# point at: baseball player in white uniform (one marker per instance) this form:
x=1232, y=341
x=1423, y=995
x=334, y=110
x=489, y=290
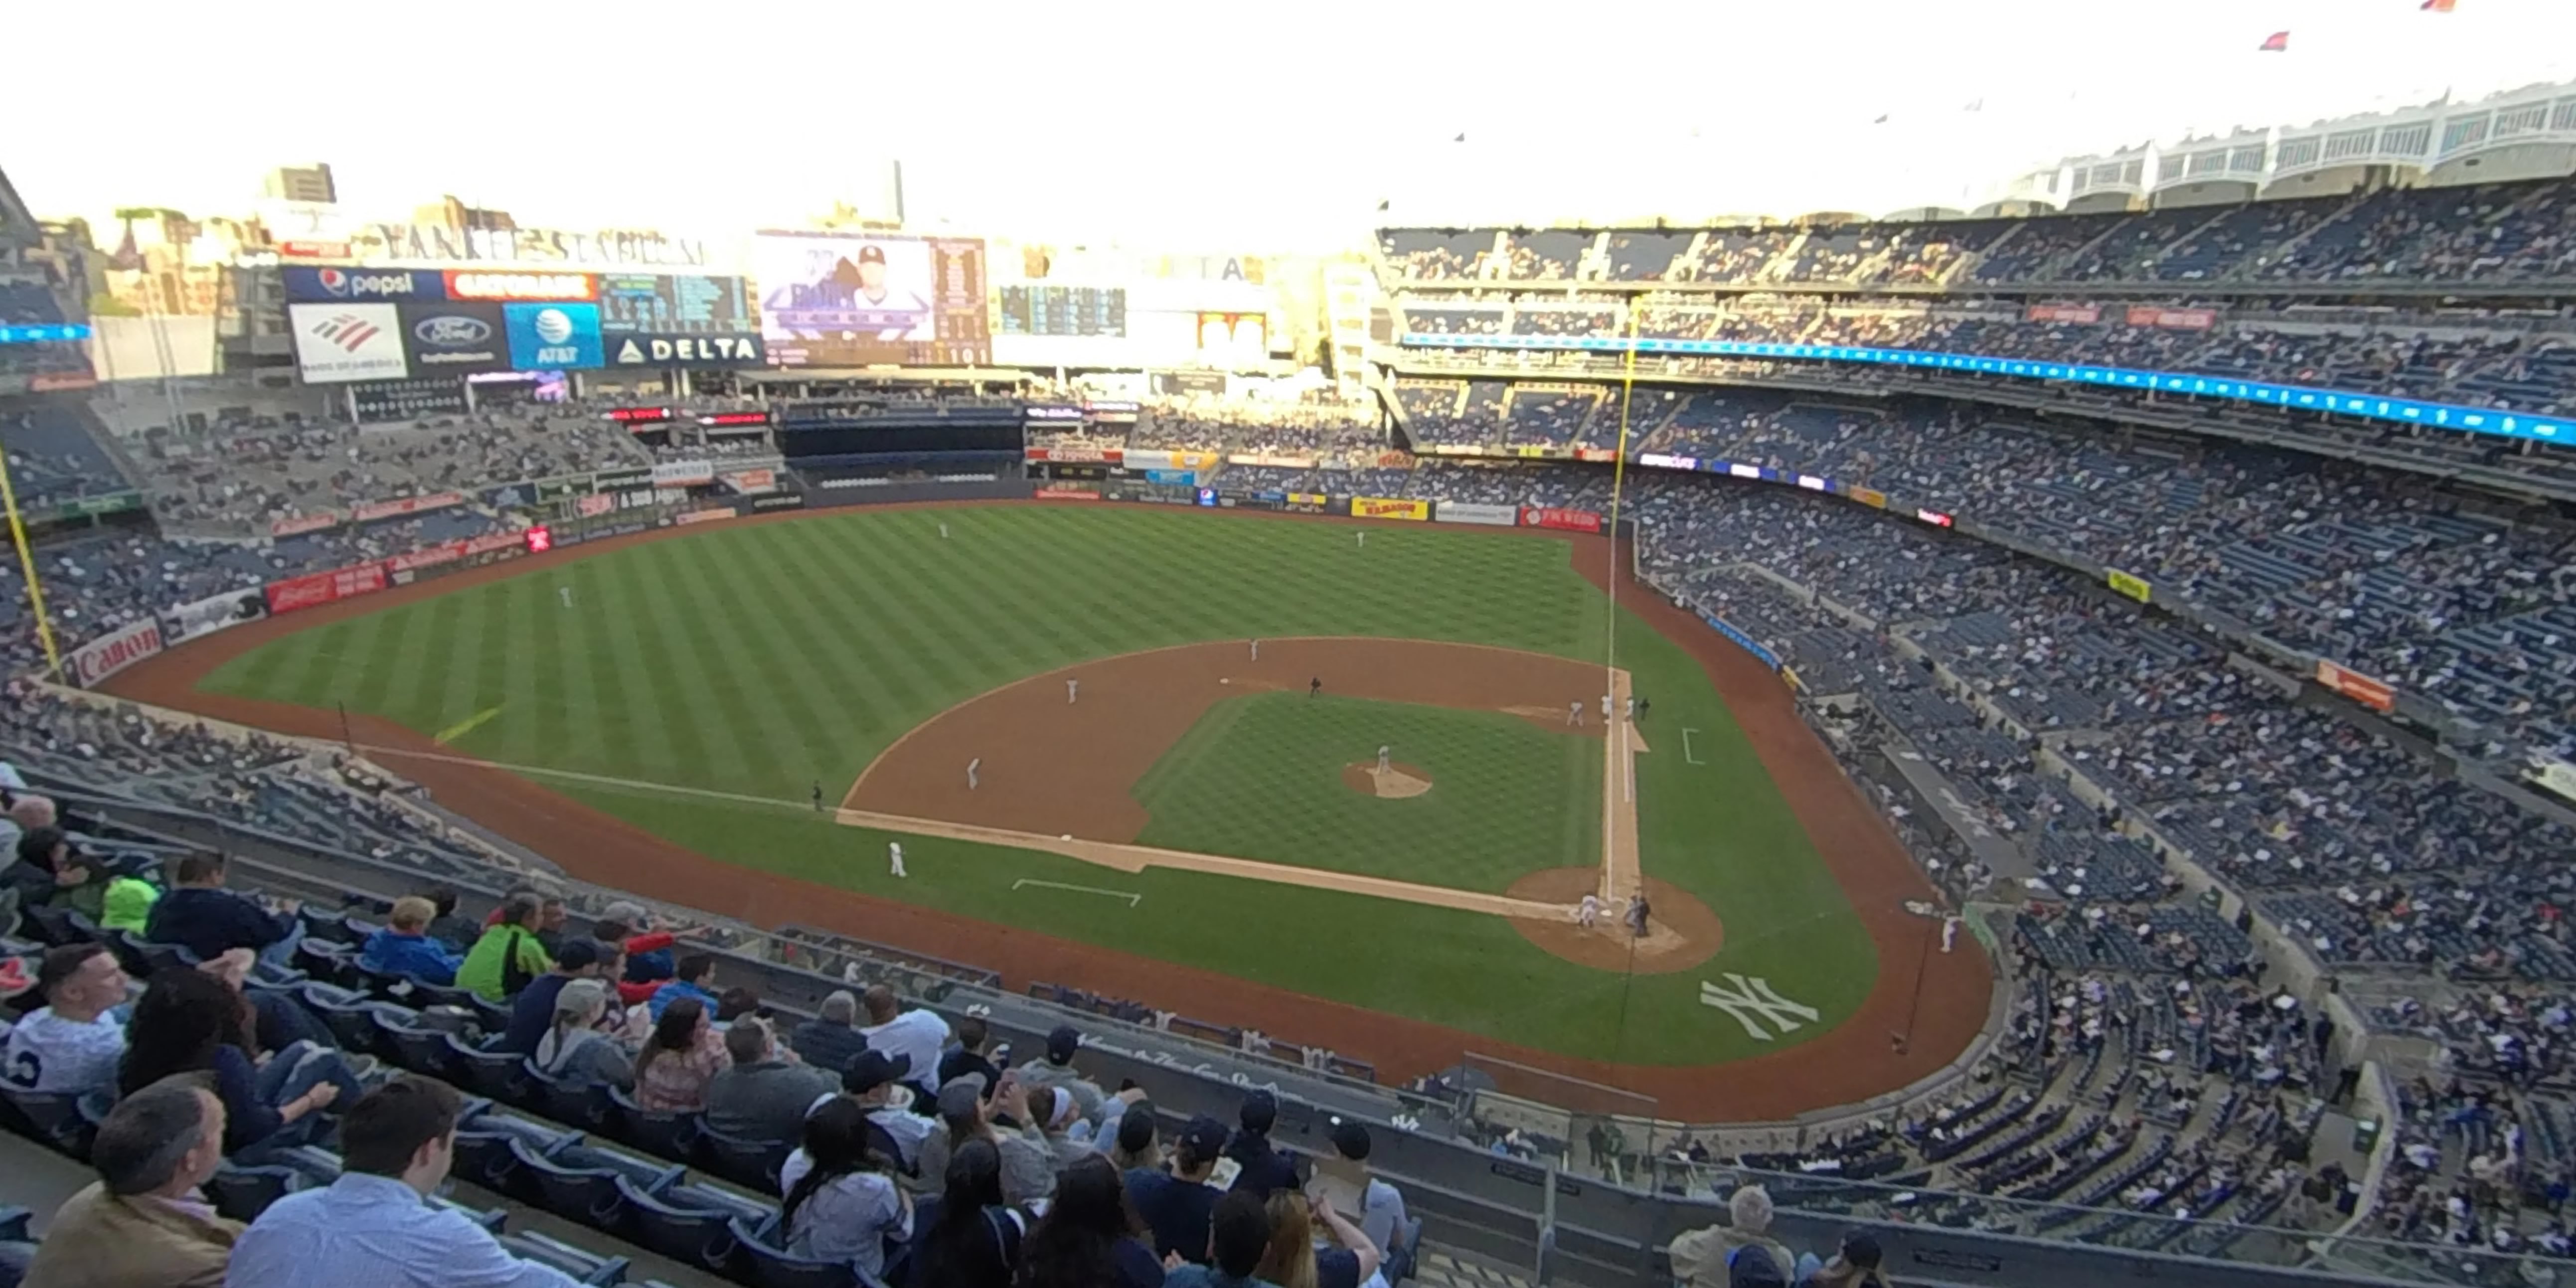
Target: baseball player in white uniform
x=565, y=593
x=1574, y=715
x=1949, y=931
x=1605, y=708
x=1383, y=763
x=943, y=532
x=1072, y=690
x=1363, y=541
x=971, y=767
x=1632, y=710
x=1256, y=649
x=894, y=857
x=1588, y=913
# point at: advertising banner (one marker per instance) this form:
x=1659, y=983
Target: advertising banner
x=1596, y=454
x=2172, y=319
x=1742, y=640
x=1065, y=492
x=103, y=657
x=1272, y=459
x=1498, y=516
x=684, y=474
x=1086, y=453
x=1539, y=452
x=1308, y=503
x=1868, y=496
x=666, y=349
x=594, y=506
x=2371, y=693
x=359, y=285
x=779, y=501
x=552, y=337
x=1539, y=516
x=701, y=516
x=454, y=340
x=317, y=589
x=338, y=343
x=383, y=400
x=1660, y=461
x=487, y=284
x=611, y=480
x=1173, y=478
x=2134, y=587
x=400, y=506
x=445, y=552
x=1380, y=507
x=213, y=613
x=296, y=525
x=749, y=482
x=2083, y=313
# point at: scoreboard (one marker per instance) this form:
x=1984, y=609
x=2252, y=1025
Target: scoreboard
x=673, y=304
x=1064, y=310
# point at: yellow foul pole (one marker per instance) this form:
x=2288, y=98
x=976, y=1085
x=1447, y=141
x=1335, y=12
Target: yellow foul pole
x=27, y=568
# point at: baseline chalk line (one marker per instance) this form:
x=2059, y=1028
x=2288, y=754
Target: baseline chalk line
x=465, y=726
x=1689, y=756
x=1132, y=898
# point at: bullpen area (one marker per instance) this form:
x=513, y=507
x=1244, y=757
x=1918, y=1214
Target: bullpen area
x=1058, y=715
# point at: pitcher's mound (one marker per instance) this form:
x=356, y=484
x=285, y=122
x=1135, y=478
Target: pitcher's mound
x=1400, y=780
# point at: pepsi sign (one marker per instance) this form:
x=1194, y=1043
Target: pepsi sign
x=306, y=285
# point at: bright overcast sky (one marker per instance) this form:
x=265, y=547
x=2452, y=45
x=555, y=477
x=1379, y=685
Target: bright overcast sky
x=1186, y=126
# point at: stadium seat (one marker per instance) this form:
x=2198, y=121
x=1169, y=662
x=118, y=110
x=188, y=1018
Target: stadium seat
x=242, y=1193
x=743, y=1161
x=771, y=1267
x=324, y=960
x=498, y=1075
x=578, y=1181
x=421, y=1050
x=583, y=1105
x=54, y=1120
x=690, y=1224
x=584, y=1266
x=59, y=926
x=484, y=1157
x=671, y=1136
x=353, y=1024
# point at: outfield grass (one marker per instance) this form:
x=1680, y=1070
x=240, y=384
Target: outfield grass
x=1261, y=778
x=759, y=660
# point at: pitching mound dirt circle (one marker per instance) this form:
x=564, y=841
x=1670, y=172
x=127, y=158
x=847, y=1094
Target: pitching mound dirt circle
x=1394, y=783
x=1681, y=932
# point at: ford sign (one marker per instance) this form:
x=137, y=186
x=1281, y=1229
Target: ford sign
x=448, y=331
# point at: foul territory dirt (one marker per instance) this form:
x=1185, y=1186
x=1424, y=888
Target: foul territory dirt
x=1940, y=997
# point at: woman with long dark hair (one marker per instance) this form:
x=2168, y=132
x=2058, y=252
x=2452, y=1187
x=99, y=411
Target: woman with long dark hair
x=1090, y=1236
x=975, y=1242
x=842, y=1203
x=679, y=1060
x=190, y=1021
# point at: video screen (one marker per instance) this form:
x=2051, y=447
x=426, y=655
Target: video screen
x=856, y=300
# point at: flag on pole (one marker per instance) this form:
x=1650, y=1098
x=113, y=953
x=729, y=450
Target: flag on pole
x=2276, y=43
x=2437, y=6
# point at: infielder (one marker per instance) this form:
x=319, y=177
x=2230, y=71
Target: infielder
x=1256, y=650
x=1574, y=715
x=1588, y=913
x=1632, y=710
x=1072, y=690
x=971, y=767
x=564, y=593
x=1605, y=708
x=1637, y=914
x=1384, y=764
x=894, y=857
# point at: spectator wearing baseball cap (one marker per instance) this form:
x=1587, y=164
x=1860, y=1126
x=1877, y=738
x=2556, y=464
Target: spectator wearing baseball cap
x=1177, y=1204
x=966, y=1114
x=874, y=1081
x=1856, y=1266
x=1055, y=1069
x=1264, y=1168
x=1136, y=1144
x=1238, y=1237
x=532, y=1012
x=1381, y=1214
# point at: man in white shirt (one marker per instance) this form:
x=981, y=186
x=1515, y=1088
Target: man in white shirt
x=913, y=1038
x=72, y=1045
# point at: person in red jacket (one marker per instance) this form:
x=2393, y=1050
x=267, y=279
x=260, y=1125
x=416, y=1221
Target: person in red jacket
x=631, y=991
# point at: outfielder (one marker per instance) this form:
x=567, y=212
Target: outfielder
x=971, y=767
x=564, y=593
x=1587, y=914
x=943, y=532
x=1384, y=764
x=1072, y=690
x=1574, y=715
x=1363, y=541
x=894, y=857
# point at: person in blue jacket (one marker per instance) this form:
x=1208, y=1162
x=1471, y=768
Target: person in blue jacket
x=404, y=946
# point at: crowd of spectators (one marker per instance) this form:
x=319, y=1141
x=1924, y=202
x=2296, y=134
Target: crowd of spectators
x=2511, y=232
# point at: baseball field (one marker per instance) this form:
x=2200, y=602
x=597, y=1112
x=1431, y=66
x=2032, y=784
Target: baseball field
x=744, y=717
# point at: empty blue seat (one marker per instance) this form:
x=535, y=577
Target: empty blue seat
x=690, y=1224
x=671, y=1136
x=743, y=1161
x=578, y=1181
x=242, y=1193
x=498, y=1075
x=772, y=1267
x=584, y=1266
